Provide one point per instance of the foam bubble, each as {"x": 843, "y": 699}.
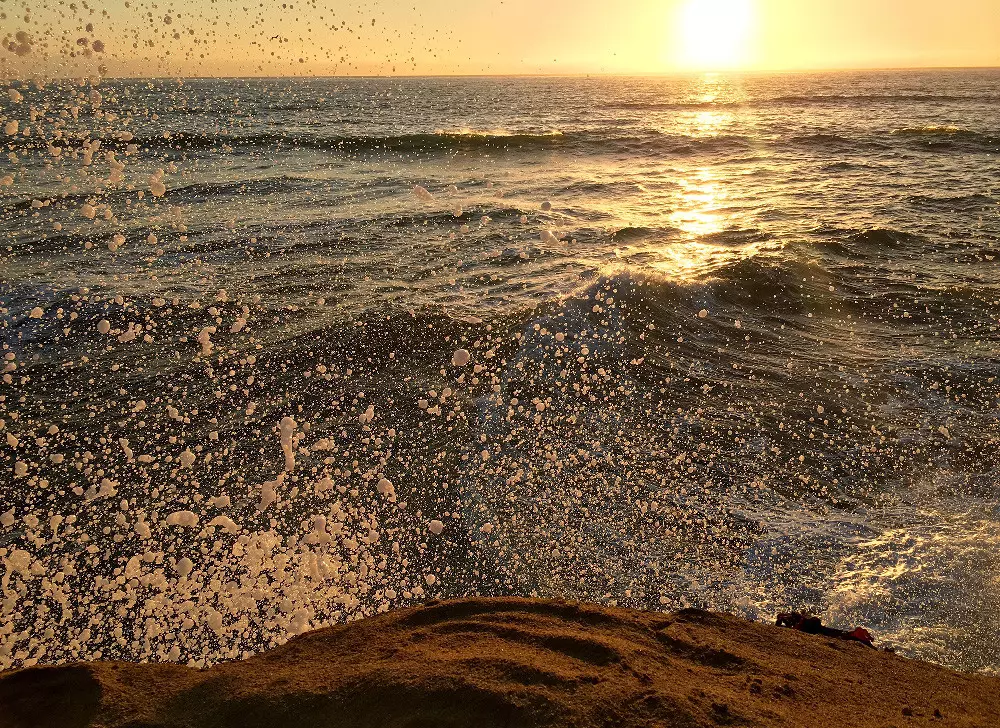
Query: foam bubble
{"x": 187, "y": 519}
{"x": 286, "y": 429}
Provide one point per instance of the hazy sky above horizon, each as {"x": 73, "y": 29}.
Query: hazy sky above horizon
{"x": 242, "y": 37}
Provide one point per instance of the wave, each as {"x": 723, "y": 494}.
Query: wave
{"x": 641, "y": 232}
{"x": 852, "y": 244}
{"x": 670, "y": 105}
{"x": 637, "y": 142}
{"x": 194, "y": 141}
{"x": 852, "y": 98}
{"x": 787, "y": 286}
{"x": 436, "y": 141}
{"x": 620, "y": 142}
{"x": 737, "y": 237}
{"x": 744, "y": 295}
{"x": 950, "y": 137}
{"x": 828, "y": 141}
{"x": 953, "y": 203}
{"x": 446, "y": 218}
{"x": 884, "y": 238}
{"x": 795, "y": 100}
{"x": 259, "y": 186}
{"x": 762, "y": 284}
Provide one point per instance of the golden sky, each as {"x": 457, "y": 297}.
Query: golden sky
{"x": 240, "y": 37}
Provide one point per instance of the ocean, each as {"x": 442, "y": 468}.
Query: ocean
{"x": 284, "y": 353}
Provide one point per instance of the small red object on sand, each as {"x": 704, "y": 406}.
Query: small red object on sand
{"x": 862, "y": 635}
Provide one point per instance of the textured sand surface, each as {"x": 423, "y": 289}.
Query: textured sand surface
{"x": 514, "y": 662}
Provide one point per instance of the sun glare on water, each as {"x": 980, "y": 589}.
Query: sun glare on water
{"x": 714, "y": 35}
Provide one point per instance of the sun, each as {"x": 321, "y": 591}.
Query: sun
{"x": 714, "y": 35}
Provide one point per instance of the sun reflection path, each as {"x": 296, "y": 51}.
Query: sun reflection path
{"x": 701, "y": 203}
{"x": 699, "y": 213}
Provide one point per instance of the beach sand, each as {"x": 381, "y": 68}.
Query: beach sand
{"x": 517, "y": 662}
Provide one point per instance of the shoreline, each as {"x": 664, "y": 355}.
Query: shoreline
{"x": 517, "y": 662}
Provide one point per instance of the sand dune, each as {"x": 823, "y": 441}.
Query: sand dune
{"x": 514, "y": 662}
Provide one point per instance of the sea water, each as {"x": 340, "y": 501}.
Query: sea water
{"x": 278, "y": 354}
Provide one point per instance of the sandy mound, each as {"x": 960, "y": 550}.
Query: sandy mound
{"x": 513, "y": 662}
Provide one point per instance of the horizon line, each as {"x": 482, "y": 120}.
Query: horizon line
{"x": 579, "y": 74}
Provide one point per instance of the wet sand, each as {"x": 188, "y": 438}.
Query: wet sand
{"x": 516, "y": 662}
